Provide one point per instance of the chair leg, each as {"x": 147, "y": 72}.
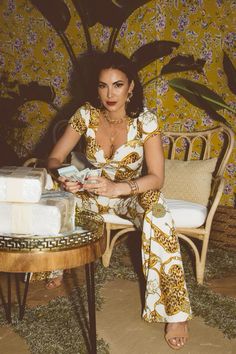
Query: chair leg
{"x": 107, "y": 254}
{"x": 202, "y": 264}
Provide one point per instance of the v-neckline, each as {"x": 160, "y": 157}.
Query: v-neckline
{"x": 99, "y": 147}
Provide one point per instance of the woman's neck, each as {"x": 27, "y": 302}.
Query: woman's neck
{"x": 117, "y": 115}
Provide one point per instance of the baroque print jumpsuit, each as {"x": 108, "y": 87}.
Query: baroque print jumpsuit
{"x": 166, "y": 297}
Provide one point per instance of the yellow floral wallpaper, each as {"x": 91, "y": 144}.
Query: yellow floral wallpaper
{"x": 32, "y": 51}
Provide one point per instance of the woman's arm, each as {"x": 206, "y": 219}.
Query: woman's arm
{"x": 154, "y": 158}
{"x": 63, "y": 147}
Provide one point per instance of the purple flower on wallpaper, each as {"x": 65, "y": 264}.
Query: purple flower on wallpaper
{"x": 207, "y": 55}
{"x": 177, "y": 97}
{"x": 174, "y": 34}
{"x": 57, "y": 101}
{"x": 230, "y": 39}
{"x": 183, "y": 22}
{"x": 2, "y": 60}
{"x": 32, "y": 37}
{"x": 129, "y": 35}
{"x": 228, "y": 189}
{"x": 123, "y": 29}
{"x": 45, "y": 52}
{"x": 220, "y": 72}
{"x": 165, "y": 140}
{"x": 57, "y": 81}
{"x": 219, "y": 3}
{"x": 178, "y": 150}
{"x": 10, "y": 8}
{"x": 162, "y": 88}
{"x": 22, "y": 117}
{"x": 189, "y": 124}
{"x": 105, "y": 35}
{"x": 18, "y": 66}
{"x": 231, "y": 169}
{"x": 161, "y": 23}
{"x": 50, "y": 44}
{"x": 207, "y": 121}
{"x": 192, "y": 9}
{"x": 78, "y": 25}
{"x": 18, "y": 43}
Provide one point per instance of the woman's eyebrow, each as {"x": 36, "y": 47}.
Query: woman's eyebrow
{"x": 115, "y": 82}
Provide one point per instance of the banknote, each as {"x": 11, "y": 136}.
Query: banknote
{"x": 74, "y": 175}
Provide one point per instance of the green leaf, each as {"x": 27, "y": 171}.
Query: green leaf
{"x": 191, "y": 91}
{"x": 152, "y": 51}
{"x": 183, "y": 63}
{"x": 230, "y": 72}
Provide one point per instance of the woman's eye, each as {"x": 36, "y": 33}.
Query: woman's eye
{"x": 118, "y": 85}
{"x": 101, "y": 86}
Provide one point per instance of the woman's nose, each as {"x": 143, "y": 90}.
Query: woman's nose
{"x": 109, "y": 92}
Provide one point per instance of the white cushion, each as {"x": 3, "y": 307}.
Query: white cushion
{"x": 114, "y": 219}
{"x": 184, "y": 213}
{"x": 187, "y": 214}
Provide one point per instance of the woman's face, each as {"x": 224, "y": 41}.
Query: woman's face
{"x": 113, "y": 89}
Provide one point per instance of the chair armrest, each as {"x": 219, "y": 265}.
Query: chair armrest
{"x": 217, "y": 191}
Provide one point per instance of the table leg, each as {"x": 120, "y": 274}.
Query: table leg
{"x": 8, "y": 305}
{"x": 23, "y": 302}
{"x": 89, "y": 269}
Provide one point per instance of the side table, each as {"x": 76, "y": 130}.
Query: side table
{"x": 26, "y": 254}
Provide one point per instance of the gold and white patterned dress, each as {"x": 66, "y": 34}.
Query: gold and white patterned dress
{"x": 166, "y": 298}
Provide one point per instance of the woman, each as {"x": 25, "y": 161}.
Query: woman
{"x": 120, "y": 136}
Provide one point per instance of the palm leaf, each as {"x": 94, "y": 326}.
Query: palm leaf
{"x": 111, "y": 13}
{"x": 230, "y": 72}
{"x": 152, "y": 51}
{"x": 212, "y": 113}
{"x": 34, "y": 91}
{"x": 191, "y": 91}
{"x": 183, "y": 63}
{"x": 55, "y": 11}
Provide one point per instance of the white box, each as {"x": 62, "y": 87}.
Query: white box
{"x": 54, "y": 214}
{"x": 22, "y": 184}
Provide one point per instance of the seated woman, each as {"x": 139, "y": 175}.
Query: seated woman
{"x": 120, "y": 135}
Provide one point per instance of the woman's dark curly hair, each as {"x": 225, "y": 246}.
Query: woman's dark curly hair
{"x": 120, "y": 62}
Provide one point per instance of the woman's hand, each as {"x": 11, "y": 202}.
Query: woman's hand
{"x": 101, "y": 186}
{"x": 68, "y": 186}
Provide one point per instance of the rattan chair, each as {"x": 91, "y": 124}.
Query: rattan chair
{"x": 197, "y": 145}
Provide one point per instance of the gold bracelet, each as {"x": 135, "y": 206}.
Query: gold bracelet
{"x": 133, "y": 186}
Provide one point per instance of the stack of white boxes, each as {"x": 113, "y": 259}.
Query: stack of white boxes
{"x": 26, "y": 208}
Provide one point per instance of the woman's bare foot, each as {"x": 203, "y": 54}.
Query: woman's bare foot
{"x": 176, "y": 334}
{"x": 53, "y": 283}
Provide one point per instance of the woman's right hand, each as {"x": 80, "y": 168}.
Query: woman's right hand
{"x": 72, "y": 187}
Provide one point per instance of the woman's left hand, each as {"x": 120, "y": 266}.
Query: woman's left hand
{"x": 101, "y": 186}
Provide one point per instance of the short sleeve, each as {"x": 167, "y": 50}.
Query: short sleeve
{"x": 149, "y": 125}
{"x": 79, "y": 121}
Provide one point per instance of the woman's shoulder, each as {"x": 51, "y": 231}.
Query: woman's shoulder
{"x": 147, "y": 115}
{"x": 86, "y": 108}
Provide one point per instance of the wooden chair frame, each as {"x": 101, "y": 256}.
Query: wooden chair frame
{"x": 115, "y": 230}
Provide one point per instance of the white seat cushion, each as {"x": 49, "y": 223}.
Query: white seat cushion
{"x": 187, "y": 214}
{"x": 114, "y": 219}
{"x": 184, "y": 213}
